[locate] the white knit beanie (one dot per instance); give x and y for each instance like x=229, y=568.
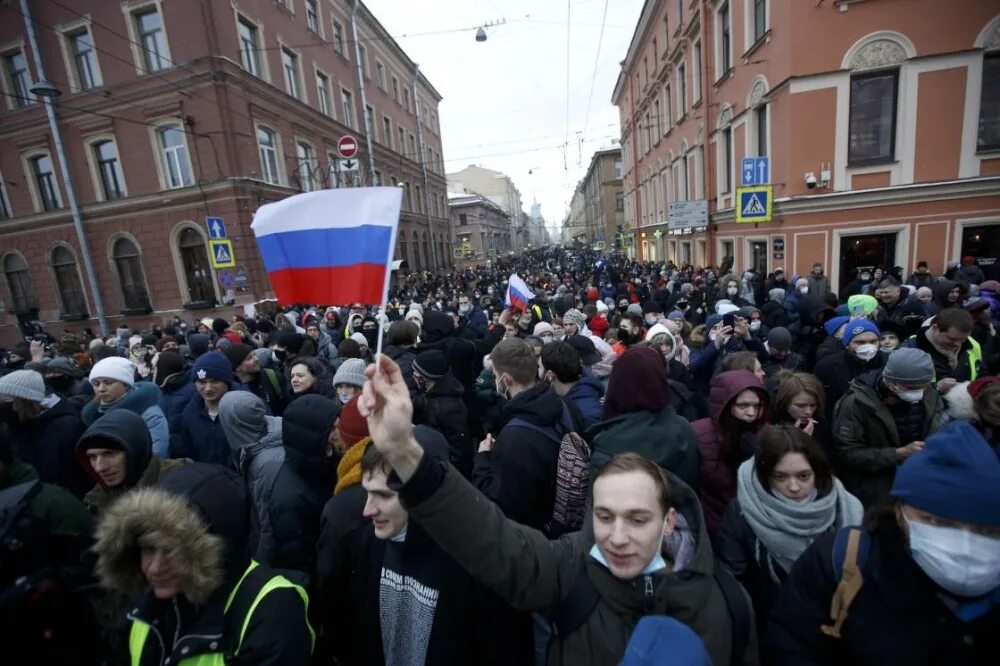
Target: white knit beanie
x=24, y=384
x=114, y=367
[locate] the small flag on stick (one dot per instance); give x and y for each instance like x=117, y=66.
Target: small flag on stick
x=518, y=294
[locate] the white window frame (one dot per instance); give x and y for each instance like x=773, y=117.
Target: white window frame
x=55, y=282
x=161, y=166
x=350, y=118
x=395, y=89
x=380, y=74
x=339, y=37
x=8, y=84
x=318, y=28
x=29, y=172
x=261, y=55
x=6, y=208
x=322, y=101
x=68, y=32
x=139, y=53
x=680, y=75
x=724, y=187
x=720, y=57
x=668, y=105
x=278, y=154
x=696, y=65
x=300, y=88
x=96, y=174
x=749, y=40
x=387, y=134
x=363, y=59
x=310, y=160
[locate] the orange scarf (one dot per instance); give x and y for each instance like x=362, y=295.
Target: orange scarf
x=349, y=467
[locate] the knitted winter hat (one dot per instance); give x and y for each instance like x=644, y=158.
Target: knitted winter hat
x=167, y=363
x=574, y=316
x=213, y=365
x=291, y=341
x=432, y=364
x=114, y=367
x=64, y=366
x=833, y=324
x=24, y=384
x=543, y=327
x=360, y=338
x=352, y=426
x=856, y=328
x=598, y=325
x=351, y=371
x=909, y=365
x=236, y=354
x=634, y=308
x=861, y=304
x=779, y=338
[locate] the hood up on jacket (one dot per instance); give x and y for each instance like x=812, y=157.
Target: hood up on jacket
x=305, y=432
x=200, y=513
x=244, y=419
x=119, y=429
x=727, y=385
x=436, y=327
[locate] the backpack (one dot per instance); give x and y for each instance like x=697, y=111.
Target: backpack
x=572, y=472
x=583, y=597
x=850, y=554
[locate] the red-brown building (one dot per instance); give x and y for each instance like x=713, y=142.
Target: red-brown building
x=175, y=111
x=880, y=119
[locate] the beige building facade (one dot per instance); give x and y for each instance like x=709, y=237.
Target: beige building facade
x=498, y=188
x=880, y=122
x=482, y=229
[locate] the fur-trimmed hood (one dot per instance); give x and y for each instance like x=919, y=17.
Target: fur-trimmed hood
x=199, y=512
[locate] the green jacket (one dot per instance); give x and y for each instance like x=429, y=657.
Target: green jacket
x=866, y=438
x=663, y=437
x=533, y=574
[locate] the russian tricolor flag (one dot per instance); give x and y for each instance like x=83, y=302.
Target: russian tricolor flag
x=518, y=294
x=330, y=247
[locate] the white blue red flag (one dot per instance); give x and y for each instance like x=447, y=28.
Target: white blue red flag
x=518, y=294
x=330, y=247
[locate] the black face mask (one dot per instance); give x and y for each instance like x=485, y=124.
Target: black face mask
x=60, y=384
x=622, y=308
x=682, y=305
x=282, y=354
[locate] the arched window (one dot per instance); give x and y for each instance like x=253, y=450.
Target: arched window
x=402, y=248
x=131, y=278
x=197, y=272
x=427, y=253
x=417, y=264
x=68, y=285
x=22, y=291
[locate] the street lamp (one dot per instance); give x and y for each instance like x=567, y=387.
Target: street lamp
x=47, y=92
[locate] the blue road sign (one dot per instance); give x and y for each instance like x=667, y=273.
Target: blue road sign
x=756, y=171
x=754, y=204
x=216, y=227
x=221, y=253
x=227, y=278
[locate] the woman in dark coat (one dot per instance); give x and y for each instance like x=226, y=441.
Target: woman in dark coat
x=738, y=406
x=310, y=377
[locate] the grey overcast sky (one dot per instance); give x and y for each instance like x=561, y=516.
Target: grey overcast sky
x=505, y=100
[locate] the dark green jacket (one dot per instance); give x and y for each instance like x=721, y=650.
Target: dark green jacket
x=663, y=437
x=866, y=438
x=532, y=573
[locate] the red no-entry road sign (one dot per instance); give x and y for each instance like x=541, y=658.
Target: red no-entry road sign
x=347, y=146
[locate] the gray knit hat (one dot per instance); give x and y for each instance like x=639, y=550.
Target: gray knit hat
x=634, y=308
x=574, y=316
x=24, y=384
x=909, y=365
x=351, y=371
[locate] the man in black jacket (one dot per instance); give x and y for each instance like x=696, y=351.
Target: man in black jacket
x=518, y=471
x=400, y=346
x=439, y=404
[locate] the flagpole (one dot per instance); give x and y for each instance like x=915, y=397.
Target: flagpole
x=385, y=284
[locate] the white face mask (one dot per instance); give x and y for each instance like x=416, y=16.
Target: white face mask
x=866, y=352
x=804, y=290
x=732, y=291
x=963, y=562
x=755, y=325
x=911, y=396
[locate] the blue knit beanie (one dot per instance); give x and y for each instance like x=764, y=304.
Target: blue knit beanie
x=213, y=365
x=711, y=320
x=659, y=639
x=834, y=323
x=857, y=327
x=956, y=476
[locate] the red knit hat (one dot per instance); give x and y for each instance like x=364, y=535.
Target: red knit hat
x=598, y=325
x=976, y=387
x=352, y=426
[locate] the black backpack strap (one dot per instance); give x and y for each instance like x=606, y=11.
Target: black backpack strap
x=739, y=610
x=577, y=606
x=550, y=433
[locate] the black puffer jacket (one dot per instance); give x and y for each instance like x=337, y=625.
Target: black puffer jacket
x=838, y=370
x=443, y=408
x=48, y=443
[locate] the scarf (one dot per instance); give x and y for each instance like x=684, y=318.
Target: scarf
x=786, y=529
x=349, y=467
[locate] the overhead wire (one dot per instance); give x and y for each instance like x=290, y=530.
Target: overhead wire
x=597, y=56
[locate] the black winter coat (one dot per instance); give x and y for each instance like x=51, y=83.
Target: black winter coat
x=443, y=408
x=898, y=616
x=836, y=372
x=404, y=359
x=519, y=474
x=48, y=443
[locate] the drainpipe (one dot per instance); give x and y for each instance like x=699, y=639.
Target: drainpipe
x=423, y=168
x=361, y=86
x=88, y=264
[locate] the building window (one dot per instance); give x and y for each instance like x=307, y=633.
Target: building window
x=347, y=103
x=406, y=99
x=174, y=157
x=108, y=170
x=380, y=70
x=369, y=119
x=696, y=72
x=312, y=15
x=338, y=37
x=387, y=131
x=306, y=160
x=618, y=169
x=18, y=80
x=760, y=128
x=378, y=178
x=759, y=20
x=363, y=58
x=290, y=64
x=401, y=144
x=668, y=119
x=323, y=93
x=131, y=277
x=420, y=200
x=873, y=117
x=67, y=281
x=682, y=89
x=680, y=13
x=727, y=160
x=725, y=29
x=249, y=46
x=395, y=89
x=989, y=104
x=22, y=291
x=194, y=261
x=152, y=39
x=5, y=210
x=656, y=120
x=84, y=59
x=267, y=146
x=413, y=147
x=45, y=182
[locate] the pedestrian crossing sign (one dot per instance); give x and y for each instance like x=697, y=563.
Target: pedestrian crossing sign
x=221, y=252
x=754, y=204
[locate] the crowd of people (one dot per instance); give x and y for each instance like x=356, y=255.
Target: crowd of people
x=646, y=460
